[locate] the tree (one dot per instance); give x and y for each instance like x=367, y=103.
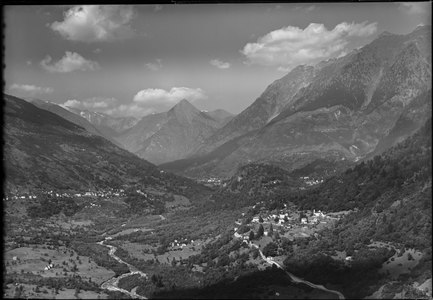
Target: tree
x=251, y=237
x=271, y=230
x=270, y=249
x=260, y=231
x=260, y=219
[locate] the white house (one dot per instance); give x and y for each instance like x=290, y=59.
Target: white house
x=304, y=221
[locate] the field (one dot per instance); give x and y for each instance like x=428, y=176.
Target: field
x=35, y=259
x=29, y=291
x=401, y=265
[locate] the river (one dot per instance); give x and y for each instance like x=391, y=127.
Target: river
x=112, y=284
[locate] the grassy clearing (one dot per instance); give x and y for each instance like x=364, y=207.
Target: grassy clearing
x=401, y=265
x=29, y=291
x=35, y=259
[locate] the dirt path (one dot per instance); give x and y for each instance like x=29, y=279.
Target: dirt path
x=295, y=278
x=112, y=284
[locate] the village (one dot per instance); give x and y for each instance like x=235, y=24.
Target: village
x=287, y=222
x=99, y=194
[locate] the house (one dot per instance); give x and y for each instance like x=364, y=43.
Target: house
x=304, y=221
x=349, y=258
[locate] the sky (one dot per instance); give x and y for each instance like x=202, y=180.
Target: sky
x=138, y=59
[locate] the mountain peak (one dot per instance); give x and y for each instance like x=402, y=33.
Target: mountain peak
x=184, y=106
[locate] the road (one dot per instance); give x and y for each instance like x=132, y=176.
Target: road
x=295, y=278
x=112, y=284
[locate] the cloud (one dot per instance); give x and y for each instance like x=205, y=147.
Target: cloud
x=110, y=106
x=97, y=51
x=154, y=66
x=219, y=64
x=99, y=104
x=92, y=23
x=415, y=8
x=28, y=90
x=130, y=110
x=72, y=61
x=163, y=97
x=291, y=46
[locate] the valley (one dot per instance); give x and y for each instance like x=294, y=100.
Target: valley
x=182, y=152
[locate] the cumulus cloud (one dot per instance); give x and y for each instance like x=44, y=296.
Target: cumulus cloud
x=291, y=46
x=92, y=23
x=163, y=97
x=219, y=64
x=72, y=61
x=132, y=109
x=28, y=90
x=99, y=104
x=154, y=66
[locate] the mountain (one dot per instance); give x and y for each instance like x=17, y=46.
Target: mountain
x=45, y=151
x=65, y=114
x=171, y=135
x=267, y=106
x=107, y=125
x=221, y=116
x=346, y=109
x=71, y=117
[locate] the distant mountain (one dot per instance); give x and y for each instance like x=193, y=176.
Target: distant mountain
x=107, y=125
x=71, y=117
x=221, y=116
x=340, y=110
x=45, y=151
x=170, y=135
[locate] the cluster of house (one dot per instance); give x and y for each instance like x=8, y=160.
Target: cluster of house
x=211, y=181
x=107, y=193
x=49, y=267
x=180, y=244
x=311, y=181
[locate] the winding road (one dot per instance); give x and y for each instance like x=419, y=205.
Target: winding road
x=112, y=284
x=295, y=278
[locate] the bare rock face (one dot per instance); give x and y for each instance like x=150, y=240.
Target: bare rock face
x=342, y=109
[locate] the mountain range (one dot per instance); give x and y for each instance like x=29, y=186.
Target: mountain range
x=108, y=125
x=45, y=151
x=172, y=135
x=340, y=110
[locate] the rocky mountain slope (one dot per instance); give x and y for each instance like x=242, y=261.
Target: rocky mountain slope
x=107, y=125
x=170, y=135
x=346, y=108
x=71, y=117
x=220, y=115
